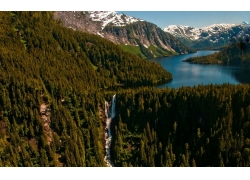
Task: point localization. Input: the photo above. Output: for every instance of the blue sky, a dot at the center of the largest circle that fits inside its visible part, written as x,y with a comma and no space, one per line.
195,13
197,19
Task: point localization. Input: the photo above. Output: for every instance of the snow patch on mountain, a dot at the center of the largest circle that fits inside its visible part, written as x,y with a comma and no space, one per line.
107,17
100,34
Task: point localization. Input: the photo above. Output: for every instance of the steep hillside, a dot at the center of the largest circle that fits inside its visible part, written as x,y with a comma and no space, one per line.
214,36
52,84
150,38
134,35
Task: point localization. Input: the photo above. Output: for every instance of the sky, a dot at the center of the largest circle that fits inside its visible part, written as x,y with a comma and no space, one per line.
197,19
194,13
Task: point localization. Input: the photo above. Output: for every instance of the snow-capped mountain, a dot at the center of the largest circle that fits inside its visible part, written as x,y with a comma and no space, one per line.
144,36
196,33
94,21
212,36
111,17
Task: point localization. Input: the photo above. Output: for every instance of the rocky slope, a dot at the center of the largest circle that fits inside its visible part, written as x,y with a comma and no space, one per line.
216,35
93,21
135,35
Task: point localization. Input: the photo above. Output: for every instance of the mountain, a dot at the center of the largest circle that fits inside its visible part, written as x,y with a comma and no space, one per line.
214,36
93,21
134,35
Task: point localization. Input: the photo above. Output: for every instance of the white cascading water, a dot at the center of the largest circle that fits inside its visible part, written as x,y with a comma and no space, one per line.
110,114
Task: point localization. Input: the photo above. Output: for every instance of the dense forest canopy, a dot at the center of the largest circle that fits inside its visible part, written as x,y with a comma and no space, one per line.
53,85
189,126
51,81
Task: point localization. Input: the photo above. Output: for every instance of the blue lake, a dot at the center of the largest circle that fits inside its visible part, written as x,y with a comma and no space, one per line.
187,74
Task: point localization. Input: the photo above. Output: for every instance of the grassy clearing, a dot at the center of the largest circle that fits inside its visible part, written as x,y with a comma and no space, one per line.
24,43
160,52
15,29
133,49
94,67
12,14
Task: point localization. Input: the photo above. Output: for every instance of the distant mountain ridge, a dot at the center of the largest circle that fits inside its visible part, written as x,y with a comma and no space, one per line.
216,35
133,34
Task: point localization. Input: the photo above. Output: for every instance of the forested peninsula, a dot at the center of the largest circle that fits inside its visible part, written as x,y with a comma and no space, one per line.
236,53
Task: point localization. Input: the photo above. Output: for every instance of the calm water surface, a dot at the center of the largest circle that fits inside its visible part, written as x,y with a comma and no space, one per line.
186,74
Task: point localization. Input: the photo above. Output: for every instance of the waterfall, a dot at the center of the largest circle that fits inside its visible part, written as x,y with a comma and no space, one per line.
110,114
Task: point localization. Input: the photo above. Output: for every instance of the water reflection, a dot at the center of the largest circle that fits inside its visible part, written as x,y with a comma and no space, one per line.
186,74
242,75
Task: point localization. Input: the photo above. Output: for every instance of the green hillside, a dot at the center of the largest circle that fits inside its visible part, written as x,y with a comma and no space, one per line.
53,75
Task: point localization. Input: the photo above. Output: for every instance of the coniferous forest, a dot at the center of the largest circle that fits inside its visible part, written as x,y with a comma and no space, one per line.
53,85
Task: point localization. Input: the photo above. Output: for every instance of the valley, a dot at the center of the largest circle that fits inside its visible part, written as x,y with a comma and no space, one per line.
101,89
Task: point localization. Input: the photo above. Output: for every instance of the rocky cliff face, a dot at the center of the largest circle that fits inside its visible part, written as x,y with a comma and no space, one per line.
93,21
145,33
149,39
